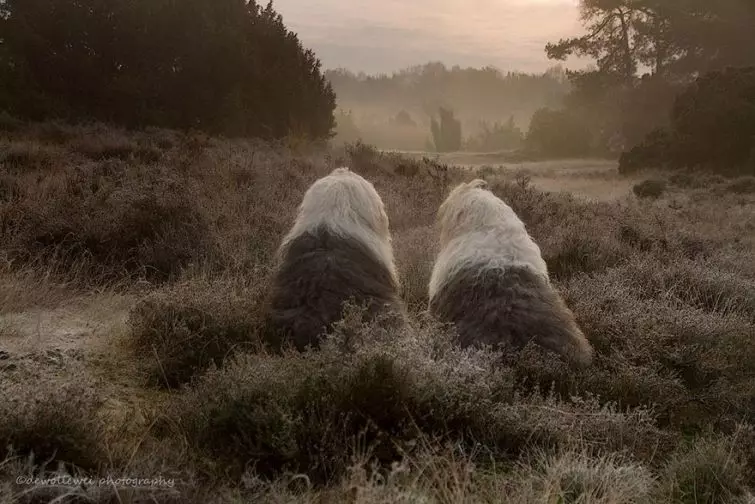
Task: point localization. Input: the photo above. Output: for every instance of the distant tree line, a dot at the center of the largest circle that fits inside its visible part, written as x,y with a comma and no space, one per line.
224,66
661,66
473,93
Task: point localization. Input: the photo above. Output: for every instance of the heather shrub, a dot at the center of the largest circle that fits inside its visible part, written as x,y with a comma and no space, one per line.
742,185
664,293
55,420
181,330
711,470
649,189
382,392
115,221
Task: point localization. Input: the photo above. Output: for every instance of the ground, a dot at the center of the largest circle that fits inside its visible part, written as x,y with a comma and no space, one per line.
131,290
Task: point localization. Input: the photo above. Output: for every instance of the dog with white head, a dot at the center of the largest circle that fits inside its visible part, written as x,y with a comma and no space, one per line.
491,282
339,250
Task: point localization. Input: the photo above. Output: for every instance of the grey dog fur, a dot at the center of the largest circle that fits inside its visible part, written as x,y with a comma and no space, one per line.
319,273
509,307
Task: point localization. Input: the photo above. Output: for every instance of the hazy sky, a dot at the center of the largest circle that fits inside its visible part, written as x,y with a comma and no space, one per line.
386,35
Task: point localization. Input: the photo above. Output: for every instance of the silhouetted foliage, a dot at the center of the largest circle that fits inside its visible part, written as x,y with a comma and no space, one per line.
713,121
557,133
652,152
712,127
403,118
497,137
673,42
346,130
224,66
649,189
446,131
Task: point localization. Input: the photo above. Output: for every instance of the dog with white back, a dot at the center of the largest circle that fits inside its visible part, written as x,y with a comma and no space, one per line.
491,282
339,250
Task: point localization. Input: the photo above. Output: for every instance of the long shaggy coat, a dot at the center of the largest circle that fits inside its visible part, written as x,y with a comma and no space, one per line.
338,250
491,281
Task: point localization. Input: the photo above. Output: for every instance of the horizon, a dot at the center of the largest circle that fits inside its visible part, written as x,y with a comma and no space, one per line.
381,39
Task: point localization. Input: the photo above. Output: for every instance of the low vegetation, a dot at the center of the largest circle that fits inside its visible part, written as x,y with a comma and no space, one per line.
186,390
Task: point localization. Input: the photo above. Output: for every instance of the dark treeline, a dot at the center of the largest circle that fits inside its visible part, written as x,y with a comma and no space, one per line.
651,56
224,66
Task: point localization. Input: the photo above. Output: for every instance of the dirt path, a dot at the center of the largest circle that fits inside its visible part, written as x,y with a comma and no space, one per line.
86,324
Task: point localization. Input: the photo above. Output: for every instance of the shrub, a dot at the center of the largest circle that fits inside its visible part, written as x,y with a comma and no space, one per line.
578,476
711,470
653,152
27,156
496,137
51,420
182,330
403,118
118,224
649,189
664,295
346,130
446,131
742,185
557,133
712,127
368,387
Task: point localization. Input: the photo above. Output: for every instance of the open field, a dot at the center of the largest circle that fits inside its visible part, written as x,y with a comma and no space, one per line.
593,179
132,278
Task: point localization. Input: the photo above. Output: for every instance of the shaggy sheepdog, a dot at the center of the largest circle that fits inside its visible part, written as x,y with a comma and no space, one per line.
338,251
491,282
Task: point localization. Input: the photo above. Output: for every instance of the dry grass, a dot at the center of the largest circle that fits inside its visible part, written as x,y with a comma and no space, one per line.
664,288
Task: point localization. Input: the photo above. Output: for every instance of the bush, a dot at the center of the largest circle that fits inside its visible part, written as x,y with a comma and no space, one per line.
497,137
712,471
712,127
557,133
653,152
383,391
742,185
110,222
446,131
51,421
649,189
346,129
666,297
182,330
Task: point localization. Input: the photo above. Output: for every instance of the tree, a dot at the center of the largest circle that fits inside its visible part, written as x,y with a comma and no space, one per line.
712,126
557,133
225,66
713,121
446,132
611,39
499,136
404,119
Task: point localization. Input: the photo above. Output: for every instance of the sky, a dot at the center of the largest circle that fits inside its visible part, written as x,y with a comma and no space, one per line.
381,36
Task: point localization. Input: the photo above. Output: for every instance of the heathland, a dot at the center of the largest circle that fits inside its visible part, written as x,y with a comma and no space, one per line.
134,268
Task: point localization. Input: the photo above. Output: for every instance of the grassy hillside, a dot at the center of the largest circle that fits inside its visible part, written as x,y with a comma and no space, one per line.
134,271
